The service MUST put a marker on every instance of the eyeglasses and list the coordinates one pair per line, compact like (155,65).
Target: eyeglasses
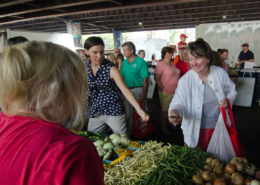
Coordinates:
(117,52)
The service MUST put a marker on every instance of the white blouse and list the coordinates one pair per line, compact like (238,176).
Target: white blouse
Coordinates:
(188,99)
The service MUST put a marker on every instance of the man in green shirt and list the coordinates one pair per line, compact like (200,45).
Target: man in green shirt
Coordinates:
(135,73)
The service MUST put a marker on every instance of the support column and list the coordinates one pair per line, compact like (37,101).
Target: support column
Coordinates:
(118,39)
(74,28)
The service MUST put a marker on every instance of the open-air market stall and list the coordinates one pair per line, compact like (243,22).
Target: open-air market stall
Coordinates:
(153,163)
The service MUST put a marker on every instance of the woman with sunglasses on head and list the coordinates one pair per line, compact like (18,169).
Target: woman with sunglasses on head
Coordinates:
(199,95)
(166,76)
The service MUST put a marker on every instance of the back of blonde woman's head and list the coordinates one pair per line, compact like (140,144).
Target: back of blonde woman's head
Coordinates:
(44,78)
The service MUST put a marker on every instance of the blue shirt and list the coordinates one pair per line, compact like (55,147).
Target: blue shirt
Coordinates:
(245,56)
(104,95)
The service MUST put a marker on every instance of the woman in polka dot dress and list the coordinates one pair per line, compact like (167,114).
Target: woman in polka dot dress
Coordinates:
(106,84)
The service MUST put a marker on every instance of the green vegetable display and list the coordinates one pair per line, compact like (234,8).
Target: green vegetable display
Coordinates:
(178,167)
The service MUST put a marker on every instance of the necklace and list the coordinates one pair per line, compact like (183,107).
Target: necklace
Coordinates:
(95,67)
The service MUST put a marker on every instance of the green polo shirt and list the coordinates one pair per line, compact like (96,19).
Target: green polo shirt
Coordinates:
(134,72)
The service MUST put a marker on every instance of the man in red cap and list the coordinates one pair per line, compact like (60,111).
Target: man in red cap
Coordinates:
(182,43)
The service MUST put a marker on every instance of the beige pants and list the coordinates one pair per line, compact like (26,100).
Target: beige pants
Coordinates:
(129,109)
(101,123)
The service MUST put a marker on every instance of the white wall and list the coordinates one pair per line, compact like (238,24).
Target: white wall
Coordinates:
(150,46)
(63,39)
(231,36)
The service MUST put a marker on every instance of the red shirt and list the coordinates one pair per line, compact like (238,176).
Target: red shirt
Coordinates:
(183,67)
(181,43)
(33,151)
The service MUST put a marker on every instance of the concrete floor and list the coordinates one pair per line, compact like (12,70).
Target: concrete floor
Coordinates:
(247,121)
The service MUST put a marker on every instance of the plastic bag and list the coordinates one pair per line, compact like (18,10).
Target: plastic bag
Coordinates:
(220,145)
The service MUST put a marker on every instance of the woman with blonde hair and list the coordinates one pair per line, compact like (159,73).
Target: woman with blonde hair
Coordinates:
(42,85)
(111,57)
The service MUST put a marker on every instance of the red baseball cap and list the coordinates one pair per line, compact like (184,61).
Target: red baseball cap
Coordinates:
(183,35)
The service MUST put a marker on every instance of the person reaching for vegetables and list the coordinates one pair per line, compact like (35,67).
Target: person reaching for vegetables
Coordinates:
(106,85)
(39,91)
(199,95)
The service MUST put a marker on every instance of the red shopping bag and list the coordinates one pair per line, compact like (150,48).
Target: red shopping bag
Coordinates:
(140,128)
(232,131)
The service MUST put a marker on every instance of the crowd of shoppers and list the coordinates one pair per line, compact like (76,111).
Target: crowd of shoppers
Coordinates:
(48,89)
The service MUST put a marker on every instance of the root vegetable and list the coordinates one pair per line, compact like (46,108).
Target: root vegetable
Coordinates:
(209,160)
(206,175)
(215,163)
(227,175)
(237,178)
(255,182)
(248,181)
(250,169)
(257,175)
(244,161)
(218,170)
(230,168)
(208,167)
(240,167)
(238,159)
(198,180)
(234,162)
(221,165)
(213,177)
(200,171)
(220,181)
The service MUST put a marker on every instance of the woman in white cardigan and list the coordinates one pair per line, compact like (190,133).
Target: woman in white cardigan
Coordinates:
(199,95)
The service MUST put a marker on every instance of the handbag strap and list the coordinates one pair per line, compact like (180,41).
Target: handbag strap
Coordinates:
(224,115)
(231,116)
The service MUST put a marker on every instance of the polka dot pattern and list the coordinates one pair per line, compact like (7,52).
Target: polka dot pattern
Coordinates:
(104,95)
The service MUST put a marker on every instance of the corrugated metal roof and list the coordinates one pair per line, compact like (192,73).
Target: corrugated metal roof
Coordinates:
(104,16)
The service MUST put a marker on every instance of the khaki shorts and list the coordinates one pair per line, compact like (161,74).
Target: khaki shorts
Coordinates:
(165,100)
(101,123)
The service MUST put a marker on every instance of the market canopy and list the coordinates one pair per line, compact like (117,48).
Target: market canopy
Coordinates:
(104,16)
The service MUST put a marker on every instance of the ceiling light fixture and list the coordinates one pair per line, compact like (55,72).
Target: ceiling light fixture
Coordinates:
(224,17)
(140,23)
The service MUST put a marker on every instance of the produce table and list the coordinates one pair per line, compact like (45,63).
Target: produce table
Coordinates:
(152,163)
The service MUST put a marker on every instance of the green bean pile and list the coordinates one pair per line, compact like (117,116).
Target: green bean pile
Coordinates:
(178,167)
